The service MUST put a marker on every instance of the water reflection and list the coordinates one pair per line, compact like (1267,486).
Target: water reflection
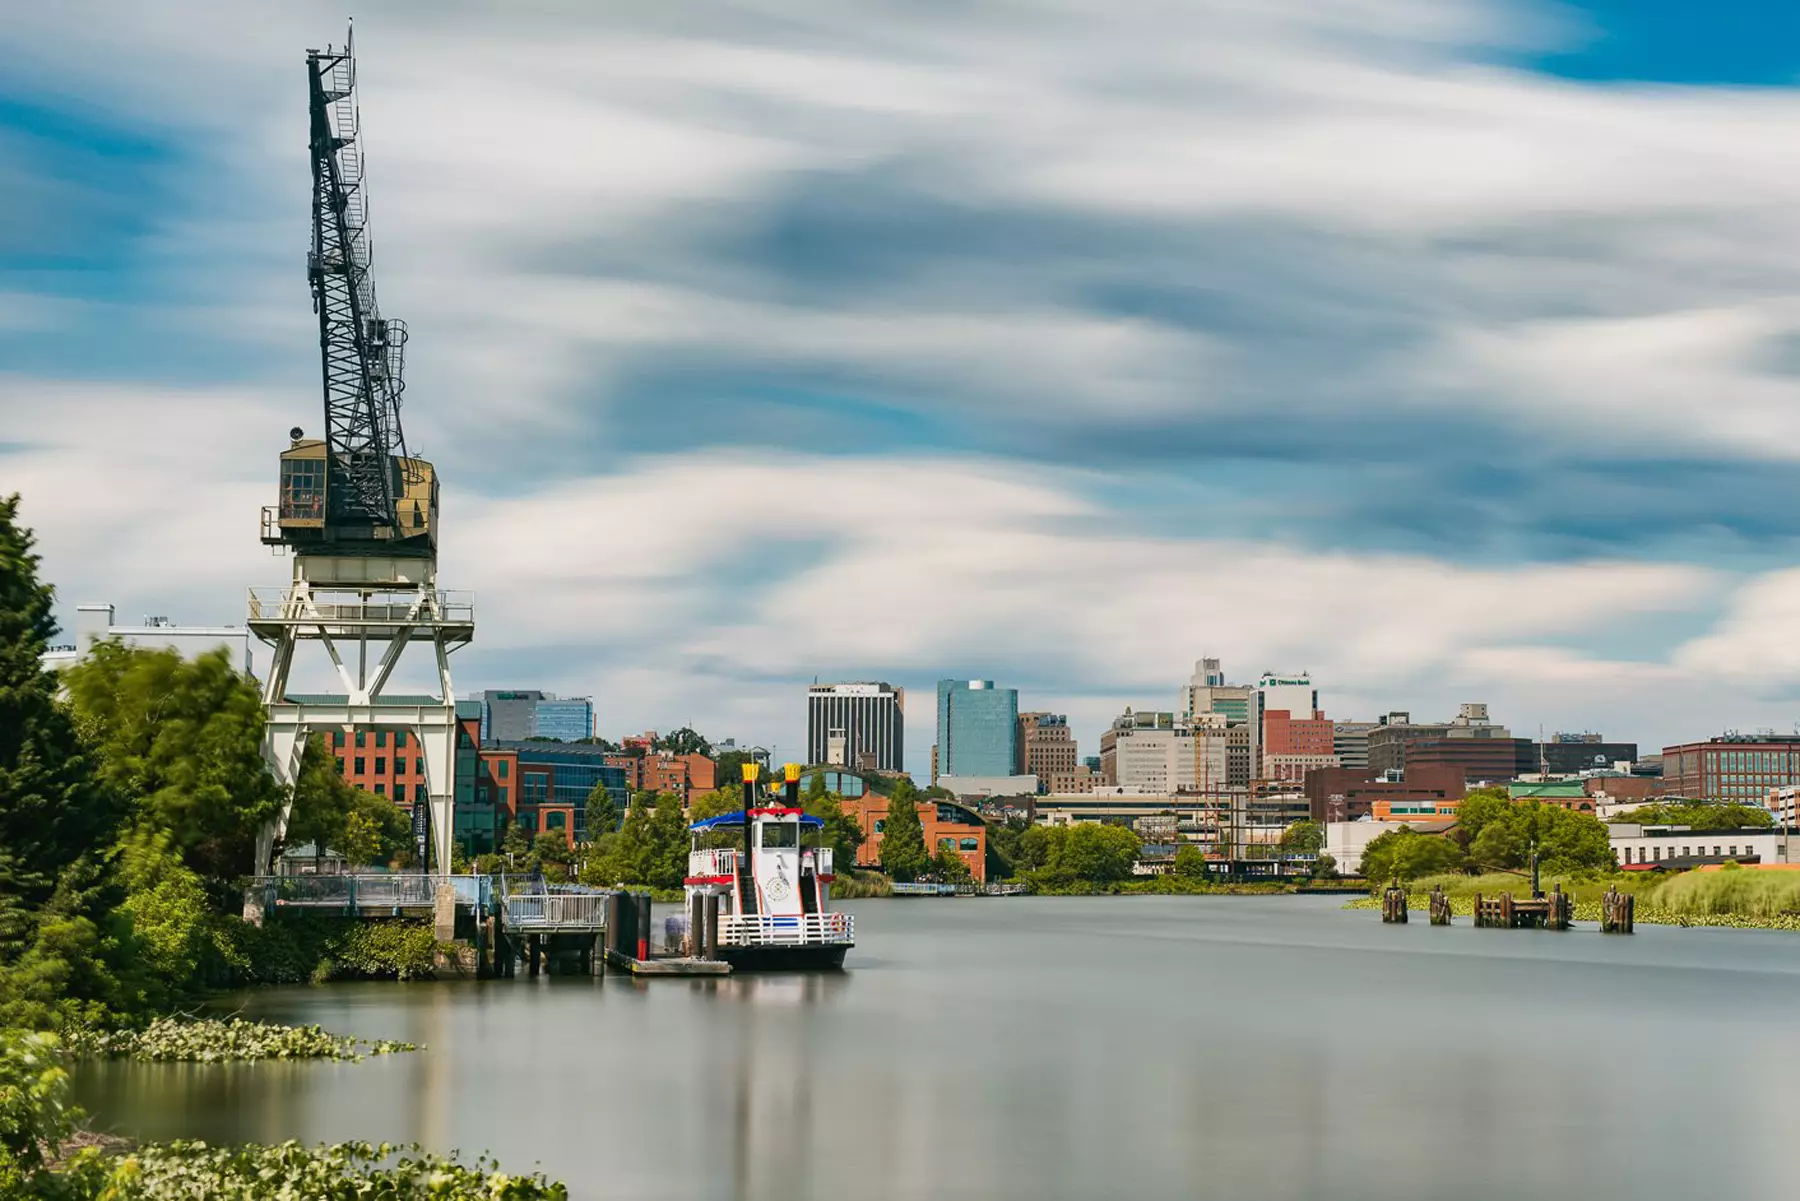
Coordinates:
(1072,1049)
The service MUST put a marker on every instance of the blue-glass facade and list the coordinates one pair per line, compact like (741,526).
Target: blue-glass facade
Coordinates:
(554,774)
(568,720)
(977,728)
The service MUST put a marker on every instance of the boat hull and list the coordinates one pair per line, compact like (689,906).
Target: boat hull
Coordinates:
(819,957)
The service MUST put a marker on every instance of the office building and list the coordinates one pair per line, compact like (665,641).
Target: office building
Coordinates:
(514,715)
(1337,794)
(1732,767)
(1572,754)
(543,787)
(859,725)
(95,623)
(1484,750)
(1207,692)
(977,728)
(1350,742)
(1294,693)
(1046,746)
(948,826)
(1294,744)
(1148,751)
(1677,848)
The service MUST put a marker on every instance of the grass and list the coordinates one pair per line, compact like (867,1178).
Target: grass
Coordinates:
(1746,899)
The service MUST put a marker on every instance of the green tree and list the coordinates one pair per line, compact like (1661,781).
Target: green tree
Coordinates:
(1035,846)
(1096,852)
(1406,854)
(1003,847)
(1479,808)
(551,853)
(52,810)
(181,740)
(815,786)
(1190,862)
(947,867)
(1700,816)
(1304,837)
(1566,840)
(602,812)
(903,852)
(841,832)
(685,741)
(36,1117)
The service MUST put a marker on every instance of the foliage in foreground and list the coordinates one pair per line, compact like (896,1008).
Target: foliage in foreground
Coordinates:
(39,1130)
(221,1040)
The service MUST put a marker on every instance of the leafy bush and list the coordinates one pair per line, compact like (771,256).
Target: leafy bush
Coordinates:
(314,948)
(35,1116)
(213,1040)
(343,1172)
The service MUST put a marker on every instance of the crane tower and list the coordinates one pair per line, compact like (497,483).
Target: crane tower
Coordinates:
(356,512)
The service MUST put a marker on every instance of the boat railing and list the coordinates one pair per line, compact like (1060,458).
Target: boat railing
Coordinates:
(822,861)
(712,863)
(787,930)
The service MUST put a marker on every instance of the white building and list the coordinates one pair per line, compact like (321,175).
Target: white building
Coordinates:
(967,788)
(1345,842)
(94,623)
(1294,693)
(1684,846)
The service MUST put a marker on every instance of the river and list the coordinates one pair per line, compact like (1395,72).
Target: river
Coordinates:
(1143,1047)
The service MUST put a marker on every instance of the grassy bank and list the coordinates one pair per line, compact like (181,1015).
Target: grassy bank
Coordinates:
(1747,899)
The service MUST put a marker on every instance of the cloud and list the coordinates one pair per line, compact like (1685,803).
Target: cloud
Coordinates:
(1073,342)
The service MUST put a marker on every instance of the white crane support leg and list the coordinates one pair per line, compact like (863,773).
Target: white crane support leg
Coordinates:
(391,603)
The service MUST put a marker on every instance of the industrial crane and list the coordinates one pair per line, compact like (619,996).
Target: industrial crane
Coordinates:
(356,491)
(357,513)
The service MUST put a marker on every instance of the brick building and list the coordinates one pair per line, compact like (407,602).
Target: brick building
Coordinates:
(1046,746)
(1483,750)
(1734,767)
(543,787)
(1347,793)
(947,825)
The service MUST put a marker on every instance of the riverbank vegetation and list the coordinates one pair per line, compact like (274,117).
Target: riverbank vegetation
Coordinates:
(45,1153)
(1731,896)
(226,1040)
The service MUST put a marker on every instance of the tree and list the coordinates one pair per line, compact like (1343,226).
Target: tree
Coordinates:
(181,741)
(903,852)
(1003,847)
(1325,866)
(1190,862)
(1700,816)
(947,867)
(1566,840)
(550,852)
(52,810)
(1096,851)
(602,812)
(685,741)
(1304,837)
(841,832)
(815,786)
(1480,808)
(1406,854)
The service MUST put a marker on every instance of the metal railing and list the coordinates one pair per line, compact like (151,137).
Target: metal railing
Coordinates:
(712,863)
(281,604)
(556,911)
(795,930)
(373,890)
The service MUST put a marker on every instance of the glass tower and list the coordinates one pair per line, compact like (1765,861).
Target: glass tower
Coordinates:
(977,728)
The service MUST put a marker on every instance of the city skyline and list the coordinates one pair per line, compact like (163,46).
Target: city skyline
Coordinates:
(840,345)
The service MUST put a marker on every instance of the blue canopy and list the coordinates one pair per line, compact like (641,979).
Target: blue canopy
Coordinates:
(737,819)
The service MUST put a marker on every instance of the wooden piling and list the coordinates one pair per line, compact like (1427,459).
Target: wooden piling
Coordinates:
(1393,905)
(531,956)
(1506,911)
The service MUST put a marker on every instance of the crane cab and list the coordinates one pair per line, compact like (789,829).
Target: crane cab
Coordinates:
(305,519)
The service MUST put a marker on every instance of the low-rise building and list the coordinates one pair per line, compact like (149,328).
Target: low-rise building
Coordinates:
(1345,842)
(1673,848)
(947,825)
(1338,794)
(544,786)
(1732,767)
(95,623)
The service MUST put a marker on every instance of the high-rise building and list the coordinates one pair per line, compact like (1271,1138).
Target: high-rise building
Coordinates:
(566,719)
(516,714)
(977,728)
(860,725)
(1350,742)
(1207,692)
(1046,746)
(1149,752)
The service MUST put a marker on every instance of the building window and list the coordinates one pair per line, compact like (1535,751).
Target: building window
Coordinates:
(504,765)
(361,736)
(381,765)
(971,844)
(946,844)
(503,794)
(359,764)
(381,790)
(554,820)
(399,739)
(341,766)
(880,825)
(381,738)
(399,765)
(337,738)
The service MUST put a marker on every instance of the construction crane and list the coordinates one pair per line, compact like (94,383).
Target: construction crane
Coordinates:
(356,491)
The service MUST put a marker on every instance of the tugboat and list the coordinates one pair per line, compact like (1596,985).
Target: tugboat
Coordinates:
(774,890)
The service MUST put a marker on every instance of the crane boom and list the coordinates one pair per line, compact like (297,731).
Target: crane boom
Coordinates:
(361,354)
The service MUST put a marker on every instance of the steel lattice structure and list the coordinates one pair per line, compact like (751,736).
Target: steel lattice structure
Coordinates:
(362,355)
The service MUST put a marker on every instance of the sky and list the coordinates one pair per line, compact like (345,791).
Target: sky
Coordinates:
(1445,349)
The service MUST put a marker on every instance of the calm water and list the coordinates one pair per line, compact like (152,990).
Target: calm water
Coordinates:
(1143,1047)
